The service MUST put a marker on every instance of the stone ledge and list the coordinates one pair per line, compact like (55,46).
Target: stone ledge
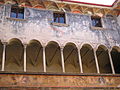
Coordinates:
(16,19)
(57,74)
(60,24)
(98,28)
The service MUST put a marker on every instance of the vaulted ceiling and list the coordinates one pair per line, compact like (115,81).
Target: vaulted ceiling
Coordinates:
(95,2)
(65,6)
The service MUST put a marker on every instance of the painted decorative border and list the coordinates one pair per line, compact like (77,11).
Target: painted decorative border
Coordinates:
(13,80)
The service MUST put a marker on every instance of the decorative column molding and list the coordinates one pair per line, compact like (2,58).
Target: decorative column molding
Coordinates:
(96,61)
(62,58)
(25,57)
(111,62)
(80,60)
(3,55)
(44,59)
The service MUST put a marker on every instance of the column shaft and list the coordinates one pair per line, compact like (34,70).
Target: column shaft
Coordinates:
(44,60)
(96,61)
(3,56)
(25,57)
(111,62)
(62,58)
(80,61)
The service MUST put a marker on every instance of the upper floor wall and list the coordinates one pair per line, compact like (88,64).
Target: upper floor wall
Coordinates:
(118,19)
(38,24)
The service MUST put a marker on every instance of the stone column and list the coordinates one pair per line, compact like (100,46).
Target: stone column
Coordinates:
(25,59)
(96,61)
(80,60)
(62,58)
(44,59)
(3,55)
(111,62)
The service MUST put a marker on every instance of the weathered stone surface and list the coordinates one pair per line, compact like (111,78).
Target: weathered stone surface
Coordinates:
(12,80)
(37,25)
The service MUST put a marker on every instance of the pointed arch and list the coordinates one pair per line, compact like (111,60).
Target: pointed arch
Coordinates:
(14,55)
(88,59)
(53,57)
(71,58)
(34,56)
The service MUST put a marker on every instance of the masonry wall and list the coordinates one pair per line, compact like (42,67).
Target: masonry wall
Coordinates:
(37,25)
(118,19)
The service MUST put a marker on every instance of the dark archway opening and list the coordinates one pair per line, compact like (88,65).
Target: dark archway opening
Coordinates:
(71,59)
(53,57)
(103,60)
(88,59)
(14,56)
(116,60)
(34,56)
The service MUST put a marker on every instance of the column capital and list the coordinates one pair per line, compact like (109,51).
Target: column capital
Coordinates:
(109,50)
(95,49)
(78,48)
(44,47)
(4,43)
(25,45)
(61,47)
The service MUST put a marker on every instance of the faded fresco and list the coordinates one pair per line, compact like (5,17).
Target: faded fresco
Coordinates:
(58,81)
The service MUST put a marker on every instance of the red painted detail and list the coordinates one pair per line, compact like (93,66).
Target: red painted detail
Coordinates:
(76,11)
(92,3)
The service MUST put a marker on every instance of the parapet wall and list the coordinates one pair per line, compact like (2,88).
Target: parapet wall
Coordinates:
(60,81)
